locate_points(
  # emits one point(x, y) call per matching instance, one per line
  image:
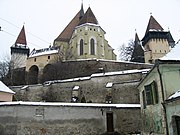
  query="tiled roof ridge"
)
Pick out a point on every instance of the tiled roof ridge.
point(153, 25)
point(21, 39)
point(88, 17)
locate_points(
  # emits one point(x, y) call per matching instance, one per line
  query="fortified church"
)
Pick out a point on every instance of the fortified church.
point(81, 67)
point(84, 39)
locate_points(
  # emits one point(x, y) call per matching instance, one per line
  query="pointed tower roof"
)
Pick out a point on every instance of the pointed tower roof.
point(153, 25)
point(21, 39)
point(88, 17)
point(137, 41)
point(138, 52)
point(81, 12)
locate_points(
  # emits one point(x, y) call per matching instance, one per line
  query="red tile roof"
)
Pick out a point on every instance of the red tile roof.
point(21, 39)
point(67, 32)
point(153, 25)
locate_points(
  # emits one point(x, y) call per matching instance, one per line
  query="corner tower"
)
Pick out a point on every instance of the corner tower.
point(19, 51)
point(156, 41)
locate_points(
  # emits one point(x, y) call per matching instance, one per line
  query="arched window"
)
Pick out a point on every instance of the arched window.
point(92, 46)
point(81, 47)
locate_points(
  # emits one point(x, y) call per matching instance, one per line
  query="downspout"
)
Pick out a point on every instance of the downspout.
point(163, 97)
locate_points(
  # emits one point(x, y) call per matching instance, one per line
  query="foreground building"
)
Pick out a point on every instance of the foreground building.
point(6, 94)
point(159, 96)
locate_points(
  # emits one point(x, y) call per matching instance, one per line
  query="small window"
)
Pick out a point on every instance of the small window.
point(151, 93)
point(94, 29)
point(144, 100)
point(34, 59)
point(81, 47)
point(92, 46)
point(90, 28)
point(48, 57)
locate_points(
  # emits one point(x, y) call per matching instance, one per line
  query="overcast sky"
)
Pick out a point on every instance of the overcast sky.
point(45, 19)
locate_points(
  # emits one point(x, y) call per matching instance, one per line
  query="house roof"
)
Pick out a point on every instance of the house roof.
point(153, 25)
point(88, 17)
point(21, 39)
point(4, 88)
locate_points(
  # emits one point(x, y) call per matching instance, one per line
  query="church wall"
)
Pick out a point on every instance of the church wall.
point(87, 32)
point(93, 89)
point(19, 119)
point(80, 68)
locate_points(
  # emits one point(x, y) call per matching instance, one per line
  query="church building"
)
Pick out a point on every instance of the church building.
point(82, 39)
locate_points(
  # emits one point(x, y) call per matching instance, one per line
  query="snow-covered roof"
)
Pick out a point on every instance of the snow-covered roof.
point(175, 95)
point(72, 104)
point(173, 54)
point(4, 88)
point(44, 51)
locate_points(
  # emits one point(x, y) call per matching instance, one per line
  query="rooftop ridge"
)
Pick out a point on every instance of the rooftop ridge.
point(21, 39)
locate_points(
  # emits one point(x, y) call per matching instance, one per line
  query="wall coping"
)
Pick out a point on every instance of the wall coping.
point(96, 105)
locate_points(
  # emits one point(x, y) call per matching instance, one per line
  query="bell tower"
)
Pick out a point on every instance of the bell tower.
point(156, 41)
point(19, 50)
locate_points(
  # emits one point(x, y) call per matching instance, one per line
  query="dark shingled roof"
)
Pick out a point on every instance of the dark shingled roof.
point(21, 39)
point(154, 25)
point(138, 52)
point(79, 19)
point(89, 17)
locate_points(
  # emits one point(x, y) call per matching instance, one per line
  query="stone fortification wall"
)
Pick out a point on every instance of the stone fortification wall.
point(50, 119)
point(91, 89)
point(81, 68)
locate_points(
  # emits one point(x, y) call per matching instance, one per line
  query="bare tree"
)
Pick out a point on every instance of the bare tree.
point(4, 69)
point(9, 74)
point(126, 51)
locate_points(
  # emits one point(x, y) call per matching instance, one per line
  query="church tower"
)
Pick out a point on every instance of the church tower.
point(138, 51)
point(83, 38)
point(19, 51)
point(156, 41)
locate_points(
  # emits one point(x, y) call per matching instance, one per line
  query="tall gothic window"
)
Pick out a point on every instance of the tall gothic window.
point(81, 47)
point(92, 46)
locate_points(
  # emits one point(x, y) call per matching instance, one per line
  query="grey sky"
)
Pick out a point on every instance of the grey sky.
point(119, 18)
